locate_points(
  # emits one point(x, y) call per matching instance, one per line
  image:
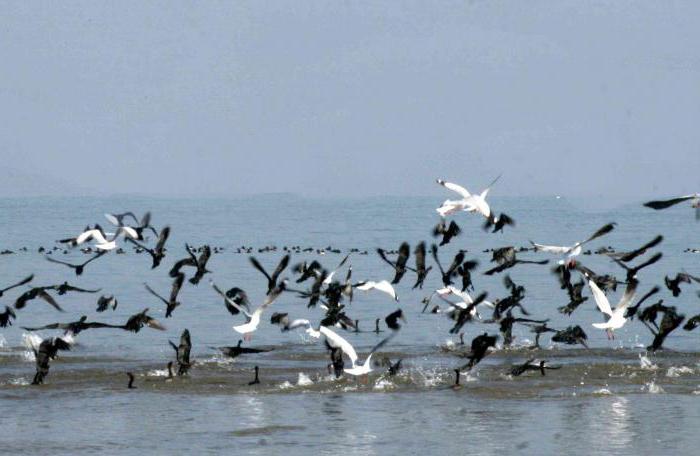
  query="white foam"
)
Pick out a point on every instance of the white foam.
point(304, 380)
point(652, 388)
point(678, 371)
point(383, 384)
point(3, 341)
point(157, 373)
point(285, 385)
point(646, 364)
point(603, 392)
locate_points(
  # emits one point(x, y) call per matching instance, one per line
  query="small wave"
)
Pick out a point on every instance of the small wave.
point(157, 373)
point(602, 392)
point(20, 381)
point(652, 388)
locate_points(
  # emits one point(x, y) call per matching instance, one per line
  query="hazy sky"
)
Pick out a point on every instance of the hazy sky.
point(324, 98)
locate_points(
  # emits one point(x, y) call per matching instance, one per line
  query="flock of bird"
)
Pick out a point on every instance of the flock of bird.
point(333, 290)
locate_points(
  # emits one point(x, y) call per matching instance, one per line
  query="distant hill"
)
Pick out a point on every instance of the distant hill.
point(14, 183)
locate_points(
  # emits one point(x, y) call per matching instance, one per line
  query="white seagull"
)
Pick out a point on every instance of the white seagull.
point(464, 304)
point(382, 285)
point(617, 317)
point(469, 202)
point(253, 319)
point(571, 251)
point(336, 341)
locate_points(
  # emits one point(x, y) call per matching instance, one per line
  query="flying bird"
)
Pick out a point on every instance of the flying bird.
point(571, 251)
point(663, 204)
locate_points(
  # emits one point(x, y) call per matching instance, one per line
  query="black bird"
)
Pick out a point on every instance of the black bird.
point(632, 310)
point(77, 267)
point(673, 284)
point(498, 223)
point(336, 360)
point(538, 330)
point(74, 327)
point(48, 349)
point(271, 279)
point(663, 204)
point(24, 281)
point(395, 368)
point(530, 365)
point(465, 271)
point(506, 326)
point(131, 381)
point(480, 346)
point(312, 269)
point(576, 297)
point(631, 255)
point(103, 303)
point(233, 352)
point(670, 321)
point(172, 303)
point(34, 293)
point(447, 232)
point(632, 272)
point(65, 288)
point(158, 252)
point(239, 297)
point(392, 320)
point(450, 272)
point(182, 352)
point(400, 264)
point(571, 336)
point(6, 317)
point(421, 271)
point(376, 326)
point(199, 263)
point(462, 316)
point(649, 315)
point(605, 282)
point(506, 259)
point(256, 380)
point(137, 321)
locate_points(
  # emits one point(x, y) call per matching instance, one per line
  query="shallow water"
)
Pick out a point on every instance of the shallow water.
point(602, 399)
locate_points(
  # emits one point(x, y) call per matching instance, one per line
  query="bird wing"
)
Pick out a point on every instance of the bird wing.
point(463, 192)
point(175, 289)
point(600, 299)
point(256, 264)
point(162, 238)
point(601, 232)
point(52, 260)
point(150, 290)
point(663, 204)
point(627, 297)
point(153, 323)
point(337, 341)
point(280, 267)
point(433, 251)
point(382, 255)
point(230, 301)
point(550, 248)
point(48, 298)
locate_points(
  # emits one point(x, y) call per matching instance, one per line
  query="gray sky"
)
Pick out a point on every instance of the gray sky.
point(324, 98)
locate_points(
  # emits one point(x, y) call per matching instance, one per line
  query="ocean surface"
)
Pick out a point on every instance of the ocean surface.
point(611, 398)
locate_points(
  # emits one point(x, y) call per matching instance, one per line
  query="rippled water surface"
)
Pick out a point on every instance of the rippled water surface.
point(613, 397)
